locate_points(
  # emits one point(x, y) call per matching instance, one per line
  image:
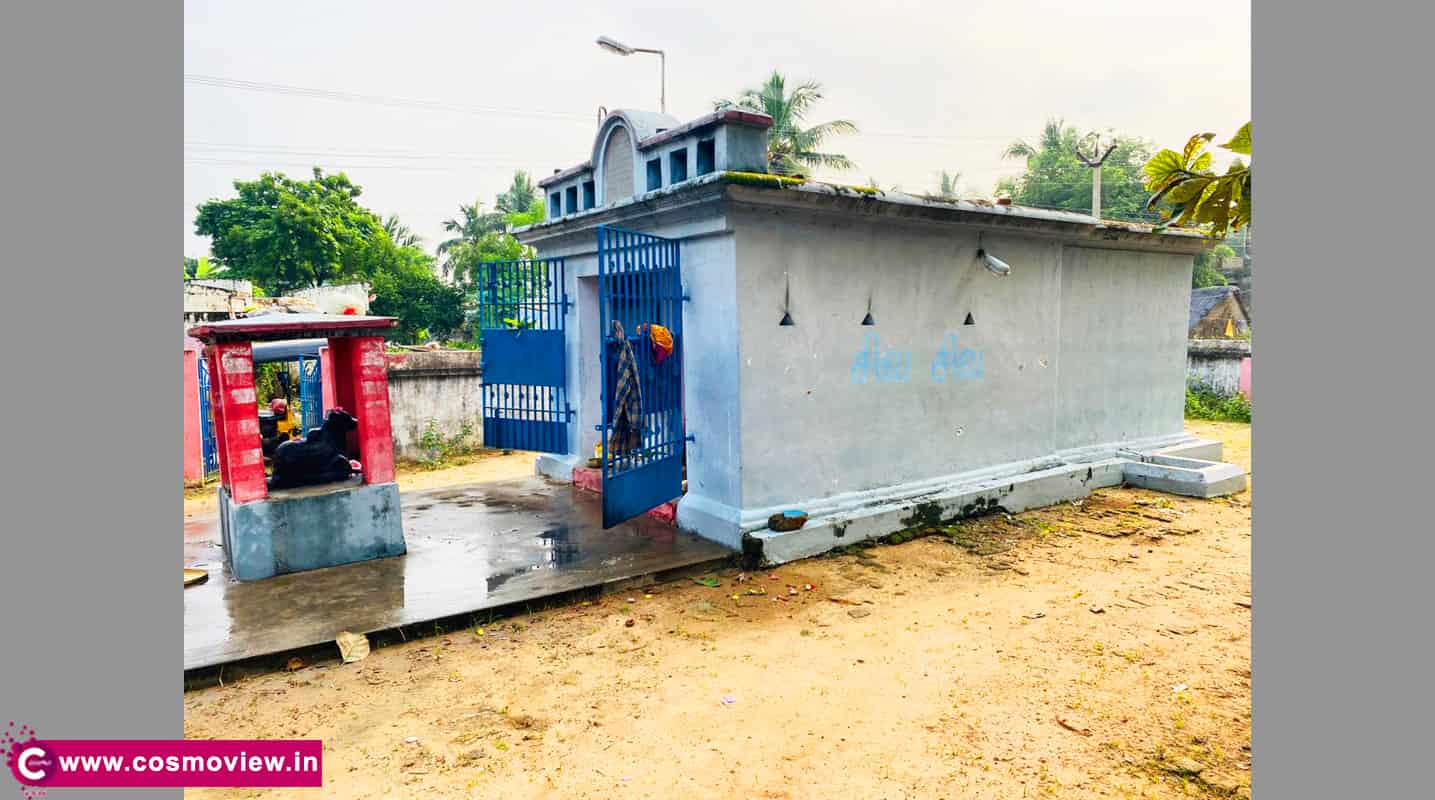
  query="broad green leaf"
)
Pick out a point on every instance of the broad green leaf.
point(1216, 207)
point(1202, 163)
point(1165, 184)
point(1243, 208)
point(1163, 165)
point(1188, 191)
point(1192, 210)
point(1241, 142)
point(1195, 145)
point(1160, 194)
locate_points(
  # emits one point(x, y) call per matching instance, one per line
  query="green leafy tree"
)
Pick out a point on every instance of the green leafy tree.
point(1056, 178)
point(518, 219)
point(791, 148)
point(465, 256)
point(1189, 192)
point(426, 307)
point(1207, 271)
point(286, 234)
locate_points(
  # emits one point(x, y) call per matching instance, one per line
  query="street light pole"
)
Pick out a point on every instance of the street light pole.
point(618, 48)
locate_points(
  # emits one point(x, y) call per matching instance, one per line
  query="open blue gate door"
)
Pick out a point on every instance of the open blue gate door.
point(522, 306)
point(640, 285)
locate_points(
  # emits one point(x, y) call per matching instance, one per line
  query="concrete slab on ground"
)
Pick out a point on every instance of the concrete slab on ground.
point(470, 548)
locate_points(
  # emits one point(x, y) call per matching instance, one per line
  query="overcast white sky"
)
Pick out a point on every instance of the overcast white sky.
point(933, 84)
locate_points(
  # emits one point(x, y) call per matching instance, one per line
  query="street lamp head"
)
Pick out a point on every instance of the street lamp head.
point(614, 46)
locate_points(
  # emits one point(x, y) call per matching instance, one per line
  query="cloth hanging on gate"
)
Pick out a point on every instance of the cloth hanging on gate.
point(662, 342)
point(627, 398)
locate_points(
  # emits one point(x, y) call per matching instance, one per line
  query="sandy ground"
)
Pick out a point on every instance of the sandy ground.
point(485, 465)
point(1091, 650)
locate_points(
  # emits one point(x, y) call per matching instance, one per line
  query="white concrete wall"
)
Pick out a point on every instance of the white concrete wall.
point(1076, 348)
point(1123, 353)
point(712, 375)
point(1221, 374)
point(1216, 363)
point(445, 387)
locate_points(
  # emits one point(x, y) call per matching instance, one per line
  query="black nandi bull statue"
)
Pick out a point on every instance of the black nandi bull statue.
point(318, 457)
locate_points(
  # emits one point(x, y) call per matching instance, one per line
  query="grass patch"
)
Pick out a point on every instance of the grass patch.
point(441, 449)
point(1204, 402)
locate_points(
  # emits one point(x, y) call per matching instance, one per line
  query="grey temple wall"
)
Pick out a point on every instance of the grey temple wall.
point(1077, 348)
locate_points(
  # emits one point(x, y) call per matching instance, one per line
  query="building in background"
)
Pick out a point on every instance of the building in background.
point(1218, 353)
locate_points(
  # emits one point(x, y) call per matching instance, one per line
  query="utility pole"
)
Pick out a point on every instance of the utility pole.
point(1095, 160)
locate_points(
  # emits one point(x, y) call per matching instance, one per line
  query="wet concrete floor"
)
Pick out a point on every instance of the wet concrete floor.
point(469, 548)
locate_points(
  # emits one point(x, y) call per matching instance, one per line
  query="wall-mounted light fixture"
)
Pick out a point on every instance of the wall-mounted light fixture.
point(867, 320)
point(993, 264)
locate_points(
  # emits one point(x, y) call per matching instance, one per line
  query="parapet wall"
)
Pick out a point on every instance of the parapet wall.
point(442, 386)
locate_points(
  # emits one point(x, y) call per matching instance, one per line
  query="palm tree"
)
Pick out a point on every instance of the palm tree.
point(400, 233)
point(471, 224)
point(1054, 136)
point(792, 149)
point(520, 195)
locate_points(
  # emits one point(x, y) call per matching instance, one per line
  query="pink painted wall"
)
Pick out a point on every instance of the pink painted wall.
point(193, 454)
point(326, 378)
point(1245, 379)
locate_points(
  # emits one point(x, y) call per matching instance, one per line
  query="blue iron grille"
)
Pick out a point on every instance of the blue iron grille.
point(522, 307)
point(640, 284)
point(209, 448)
point(311, 394)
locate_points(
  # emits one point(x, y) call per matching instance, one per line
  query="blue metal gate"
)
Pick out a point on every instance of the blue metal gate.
point(209, 448)
point(640, 285)
point(522, 307)
point(311, 394)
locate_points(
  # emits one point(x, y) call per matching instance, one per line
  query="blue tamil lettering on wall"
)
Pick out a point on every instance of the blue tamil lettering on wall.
point(872, 364)
point(956, 363)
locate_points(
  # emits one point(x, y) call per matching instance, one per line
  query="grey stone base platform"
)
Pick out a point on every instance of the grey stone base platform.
point(1191, 477)
point(471, 548)
point(294, 530)
point(1180, 469)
